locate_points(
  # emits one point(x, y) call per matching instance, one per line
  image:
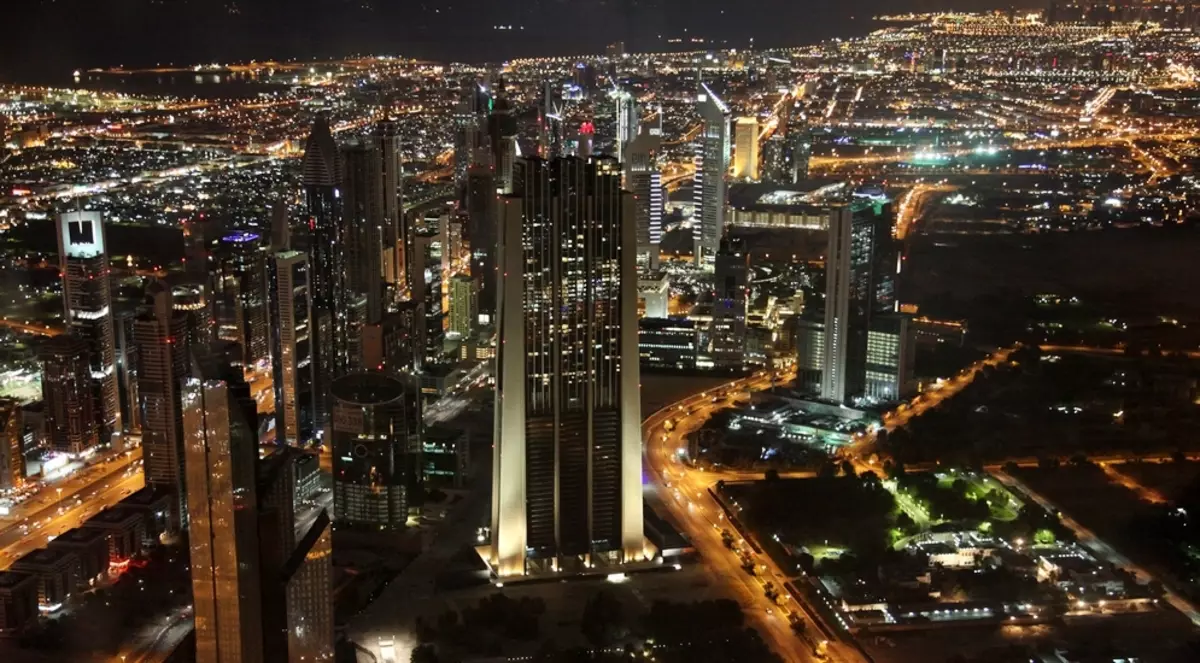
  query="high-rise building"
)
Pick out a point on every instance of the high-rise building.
point(322, 240)
point(395, 345)
point(469, 137)
point(731, 279)
point(12, 434)
point(643, 179)
point(71, 424)
point(482, 236)
point(376, 449)
point(131, 414)
point(308, 578)
point(566, 489)
point(800, 143)
point(221, 452)
point(712, 166)
point(191, 299)
point(464, 304)
point(745, 156)
point(160, 334)
point(502, 133)
point(363, 216)
point(861, 265)
point(87, 303)
point(239, 279)
point(627, 121)
point(386, 138)
point(425, 277)
point(292, 340)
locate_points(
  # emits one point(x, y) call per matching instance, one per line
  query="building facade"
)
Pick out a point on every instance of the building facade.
point(712, 167)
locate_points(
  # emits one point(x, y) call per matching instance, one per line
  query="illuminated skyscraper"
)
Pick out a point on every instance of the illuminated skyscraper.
point(566, 490)
point(730, 283)
point(322, 239)
point(386, 138)
point(745, 156)
point(222, 449)
point(364, 219)
point(644, 180)
point(502, 133)
point(308, 576)
point(464, 304)
point(712, 166)
point(376, 449)
point(160, 334)
point(628, 118)
point(71, 424)
point(87, 303)
point(12, 432)
point(482, 236)
point(425, 275)
point(292, 341)
point(469, 136)
point(240, 292)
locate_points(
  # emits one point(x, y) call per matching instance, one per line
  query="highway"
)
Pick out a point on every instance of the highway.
point(685, 492)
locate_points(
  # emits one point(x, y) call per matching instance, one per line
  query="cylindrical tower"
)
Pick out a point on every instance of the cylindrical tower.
point(377, 435)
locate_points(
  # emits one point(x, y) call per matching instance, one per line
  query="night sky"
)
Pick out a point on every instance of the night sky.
point(53, 36)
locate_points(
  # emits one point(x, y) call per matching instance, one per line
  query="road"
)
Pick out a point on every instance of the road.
point(685, 492)
point(42, 519)
point(159, 639)
point(914, 204)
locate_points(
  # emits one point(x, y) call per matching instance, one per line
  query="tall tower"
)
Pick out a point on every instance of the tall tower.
point(482, 235)
point(644, 180)
point(160, 334)
point(377, 433)
point(12, 431)
point(292, 344)
point(566, 491)
point(71, 422)
point(468, 133)
point(386, 138)
point(87, 303)
point(240, 294)
point(502, 132)
point(222, 449)
point(364, 217)
point(745, 158)
point(712, 166)
point(323, 241)
point(730, 282)
point(627, 121)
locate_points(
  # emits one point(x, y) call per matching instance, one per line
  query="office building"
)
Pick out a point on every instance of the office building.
point(385, 136)
point(222, 449)
point(889, 359)
point(800, 141)
point(321, 238)
point(861, 266)
point(87, 303)
point(712, 166)
point(567, 478)
point(376, 450)
point(482, 236)
point(71, 424)
point(464, 304)
point(190, 299)
point(395, 345)
point(502, 134)
point(643, 179)
point(131, 414)
point(12, 456)
point(363, 216)
point(425, 279)
point(667, 344)
point(160, 334)
point(57, 572)
point(445, 457)
point(293, 365)
point(745, 156)
point(308, 581)
point(240, 294)
point(731, 282)
point(453, 245)
point(469, 136)
point(18, 602)
point(654, 295)
point(628, 118)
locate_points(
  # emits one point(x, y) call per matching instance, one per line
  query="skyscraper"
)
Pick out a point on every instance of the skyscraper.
point(292, 341)
point(308, 576)
point(566, 491)
point(425, 275)
point(469, 119)
point(730, 283)
point(464, 304)
point(861, 265)
point(376, 449)
point(482, 235)
point(502, 133)
point(323, 241)
point(71, 423)
point(712, 166)
point(222, 449)
point(160, 334)
point(87, 303)
point(386, 138)
point(240, 292)
point(364, 219)
point(12, 432)
point(745, 156)
point(627, 121)
point(800, 142)
point(644, 180)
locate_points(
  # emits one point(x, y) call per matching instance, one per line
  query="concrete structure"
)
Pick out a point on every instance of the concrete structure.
point(239, 280)
point(376, 450)
point(731, 283)
point(293, 338)
point(222, 448)
point(67, 391)
point(654, 292)
point(88, 312)
point(667, 343)
point(125, 529)
point(712, 168)
point(12, 456)
point(18, 602)
point(57, 572)
point(464, 304)
point(566, 492)
point(745, 154)
point(643, 179)
point(308, 579)
point(90, 547)
point(445, 456)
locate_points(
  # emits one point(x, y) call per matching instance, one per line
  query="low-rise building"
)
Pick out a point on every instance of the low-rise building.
point(155, 507)
point(91, 546)
point(125, 527)
point(18, 602)
point(57, 572)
